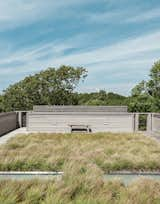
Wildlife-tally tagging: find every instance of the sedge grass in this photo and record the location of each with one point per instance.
(83, 158)
(80, 187)
(108, 151)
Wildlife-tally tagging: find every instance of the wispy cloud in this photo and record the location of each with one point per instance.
(14, 13)
(105, 17)
(117, 51)
(145, 16)
(119, 16)
(104, 36)
(128, 55)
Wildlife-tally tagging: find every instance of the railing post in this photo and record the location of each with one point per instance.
(20, 118)
(149, 122)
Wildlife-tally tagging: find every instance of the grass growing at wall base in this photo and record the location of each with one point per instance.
(108, 151)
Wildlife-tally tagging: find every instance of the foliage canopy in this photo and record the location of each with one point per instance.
(56, 87)
(146, 95)
(52, 86)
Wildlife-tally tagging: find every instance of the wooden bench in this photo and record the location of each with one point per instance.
(80, 128)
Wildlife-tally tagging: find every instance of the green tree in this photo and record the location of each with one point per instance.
(139, 89)
(146, 95)
(140, 103)
(1, 104)
(153, 85)
(50, 87)
(101, 98)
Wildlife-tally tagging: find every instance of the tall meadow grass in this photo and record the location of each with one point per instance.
(84, 158)
(106, 150)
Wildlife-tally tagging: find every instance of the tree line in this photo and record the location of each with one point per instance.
(57, 87)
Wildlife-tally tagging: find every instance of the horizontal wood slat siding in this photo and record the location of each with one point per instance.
(8, 122)
(51, 122)
(80, 108)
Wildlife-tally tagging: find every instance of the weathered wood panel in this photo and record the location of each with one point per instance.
(8, 122)
(54, 122)
(45, 108)
(156, 124)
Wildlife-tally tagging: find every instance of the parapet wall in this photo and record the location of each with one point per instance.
(45, 108)
(61, 122)
(97, 121)
(63, 118)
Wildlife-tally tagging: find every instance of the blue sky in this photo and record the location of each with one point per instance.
(117, 41)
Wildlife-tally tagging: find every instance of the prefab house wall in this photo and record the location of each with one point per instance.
(98, 122)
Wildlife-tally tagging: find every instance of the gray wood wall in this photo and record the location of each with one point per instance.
(156, 124)
(98, 122)
(46, 108)
(8, 122)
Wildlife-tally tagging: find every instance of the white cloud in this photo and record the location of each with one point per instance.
(121, 50)
(119, 16)
(145, 16)
(132, 56)
(105, 17)
(15, 13)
